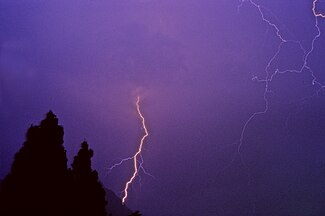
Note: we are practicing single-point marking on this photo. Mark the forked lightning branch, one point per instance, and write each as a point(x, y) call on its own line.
point(137, 157)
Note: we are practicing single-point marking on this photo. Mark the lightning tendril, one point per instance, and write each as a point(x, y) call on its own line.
point(316, 14)
point(270, 74)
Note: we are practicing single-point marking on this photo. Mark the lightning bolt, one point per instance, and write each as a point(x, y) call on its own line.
point(269, 75)
point(136, 158)
point(316, 14)
point(138, 153)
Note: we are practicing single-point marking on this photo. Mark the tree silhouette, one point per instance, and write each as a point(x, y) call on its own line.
point(89, 195)
point(36, 182)
point(40, 183)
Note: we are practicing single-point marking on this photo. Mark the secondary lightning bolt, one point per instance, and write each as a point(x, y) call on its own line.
point(268, 78)
point(316, 14)
point(269, 75)
point(137, 157)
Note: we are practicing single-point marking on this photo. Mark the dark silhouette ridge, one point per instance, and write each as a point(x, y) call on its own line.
point(40, 183)
point(136, 213)
point(115, 206)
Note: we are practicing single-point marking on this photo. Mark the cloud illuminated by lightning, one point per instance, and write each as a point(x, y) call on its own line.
point(137, 157)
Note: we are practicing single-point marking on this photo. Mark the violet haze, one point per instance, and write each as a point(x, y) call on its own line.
point(193, 63)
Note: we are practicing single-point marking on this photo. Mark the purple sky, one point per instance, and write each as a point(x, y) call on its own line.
point(192, 62)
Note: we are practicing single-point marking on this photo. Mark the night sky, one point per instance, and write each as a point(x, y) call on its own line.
point(202, 69)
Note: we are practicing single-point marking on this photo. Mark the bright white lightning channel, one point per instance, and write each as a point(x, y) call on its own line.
point(137, 157)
